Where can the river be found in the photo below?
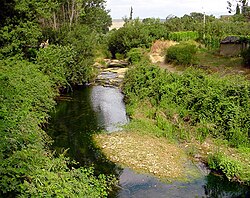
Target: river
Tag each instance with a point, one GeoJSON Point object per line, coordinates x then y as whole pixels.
{"type": "Point", "coordinates": [95, 109]}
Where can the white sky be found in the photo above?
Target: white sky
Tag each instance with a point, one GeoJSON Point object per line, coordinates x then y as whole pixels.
{"type": "Point", "coordinates": [163, 8]}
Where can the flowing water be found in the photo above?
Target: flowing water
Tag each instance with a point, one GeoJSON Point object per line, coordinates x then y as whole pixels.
{"type": "Point", "coordinates": [93, 109]}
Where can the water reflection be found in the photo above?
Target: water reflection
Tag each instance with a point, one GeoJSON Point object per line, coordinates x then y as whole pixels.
{"type": "Point", "coordinates": [72, 125]}
{"type": "Point", "coordinates": [217, 187]}
{"type": "Point", "coordinates": [146, 186]}
{"type": "Point", "coordinates": [109, 107]}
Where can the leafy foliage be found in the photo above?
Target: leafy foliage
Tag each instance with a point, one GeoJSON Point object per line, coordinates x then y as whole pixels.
{"type": "Point", "coordinates": [218, 106]}
{"type": "Point", "coordinates": [210, 30]}
{"type": "Point", "coordinates": [27, 167]}
{"type": "Point", "coordinates": [83, 41]}
{"type": "Point", "coordinates": [183, 36]}
{"type": "Point", "coordinates": [56, 63]}
{"type": "Point", "coordinates": [135, 34]}
{"type": "Point", "coordinates": [135, 55]}
{"type": "Point", "coordinates": [30, 80]}
{"type": "Point", "coordinates": [183, 54]}
{"type": "Point", "coordinates": [193, 105]}
{"type": "Point", "coordinates": [74, 54]}
{"type": "Point", "coordinates": [229, 167]}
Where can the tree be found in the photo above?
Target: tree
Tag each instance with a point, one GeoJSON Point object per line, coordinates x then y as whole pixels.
{"type": "Point", "coordinates": [96, 18]}
{"type": "Point", "coordinates": [20, 25]}
{"type": "Point", "coordinates": [131, 13]}
{"type": "Point", "coordinates": [237, 5]}
{"type": "Point", "coordinates": [237, 9]}
{"type": "Point", "coordinates": [89, 12]}
{"type": "Point", "coordinates": [29, 86]}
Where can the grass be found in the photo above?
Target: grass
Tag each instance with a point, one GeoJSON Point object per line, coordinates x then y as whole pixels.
{"type": "Point", "coordinates": [213, 62]}
{"type": "Point", "coordinates": [213, 59]}
{"type": "Point", "coordinates": [218, 150]}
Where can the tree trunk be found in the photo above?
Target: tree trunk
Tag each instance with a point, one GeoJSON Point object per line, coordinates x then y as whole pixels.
{"type": "Point", "coordinates": [72, 13]}
{"type": "Point", "coordinates": [54, 21]}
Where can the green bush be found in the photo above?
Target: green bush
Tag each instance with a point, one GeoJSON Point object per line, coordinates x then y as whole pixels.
{"type": "Point", "coordinates": [211, 42]}
{"type": "Point", "coordinates": [183, 36]}
{"type": "Point", "coordinates": [83, 41]}
{"type": "Point", "coordinates": [27, 167]}
{"type": "Point", "coordinates": [28, 89]}
{"type": "Point", "coordinates": [119, 56]}
{"type": "Point", "coordinates": [217, 106]}
{"type": "Point", "coordinates": [193, 105]}
{"type": "Point", "coordinates": [135, 34]}
{"type": "Point", "coordinates": [183, 54]}
{"type": "Point", "coordinates": [135, 55]}
{"type": "Point", "coordinates": [140, 81]}
{"type": "Point", "coordinates": [229, 167]}
{"type": "Point", "coordinates": [56, 62]}
{"type": "Point", "coordinates": [126, 38]}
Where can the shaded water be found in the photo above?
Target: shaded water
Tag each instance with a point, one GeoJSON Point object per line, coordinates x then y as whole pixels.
{"type": "Point", "coordinates": [93, 109]}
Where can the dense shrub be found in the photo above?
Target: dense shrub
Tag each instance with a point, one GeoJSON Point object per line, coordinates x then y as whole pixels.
{"type": "Point", "coordinates": [217, 106]}
{"type": "Point", "coordinates": [56, 62]}
{"type": "Point", "coordinates": [28, 89]}
{"type": "Point", "coordinates": [128, 37]}
{"type": "Point", "coordinates": [119, 56]}
{"type": "Point", "coordinates": [140, 81]}
{"type": "Point", "coordinates": [83, 41]}
{"type": "Point", "coordinates": [136, 55]}
{"type": "Point", "coordinates": [27, 166]}
{"type": "Point", "coordinates": [135, 34]}
{"type": "Point", "coordinates": [183, 36]}
{"type": "Point", "coordinates": [72, 61]}
{"type": "Point", "coordinates": [210, 33]}
{"type": "Point", "coordinates": [229, 167]}
{"type": "Point", "coordinates": [183, 54]}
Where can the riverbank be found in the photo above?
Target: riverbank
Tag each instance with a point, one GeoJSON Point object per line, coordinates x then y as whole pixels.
{"type": "Point", "coordinates": [166, 133]}
{"type": "Point", "coordinates": [138, 148]}
{"type": "Point", "coordinates": [202, 112]}
{"type": "Point", "coordinates": [147, 154]}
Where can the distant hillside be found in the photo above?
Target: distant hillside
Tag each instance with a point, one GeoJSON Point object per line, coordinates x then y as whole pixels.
{"type": "Point", "coordinates": [118, 23]}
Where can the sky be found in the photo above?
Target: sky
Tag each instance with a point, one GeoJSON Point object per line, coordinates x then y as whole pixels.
{"type": "Point", "coordinates": [163, 8]}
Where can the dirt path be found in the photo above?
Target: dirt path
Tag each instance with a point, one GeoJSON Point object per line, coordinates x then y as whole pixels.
{"type": "Point", "coordinates": [208, 61]}
{"type": "Point", "coordinates": [157, 55]}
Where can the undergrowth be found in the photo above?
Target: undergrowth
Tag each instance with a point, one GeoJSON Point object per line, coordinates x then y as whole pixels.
{"type": "Point", "coordinates": [193, 105]}
{"type": "Point", "coordinates": [28, 168]}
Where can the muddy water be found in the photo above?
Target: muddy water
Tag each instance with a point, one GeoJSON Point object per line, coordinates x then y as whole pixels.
{"type": "Point", "coordinates": [96, 108]}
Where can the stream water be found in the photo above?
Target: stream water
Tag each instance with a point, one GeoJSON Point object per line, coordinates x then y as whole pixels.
{"type": "Point", "coordinates": [93, 109]}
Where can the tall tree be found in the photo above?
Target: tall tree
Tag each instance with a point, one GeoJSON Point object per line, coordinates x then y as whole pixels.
{"type": "Point", "coordinates": [131, 13]}
{"type": "Point", "coordinates": [233, 4]}
{"type": "Point", "coordinates": [19, 24]}
{"type": "Point", "coordinates": [237, 9]}
{"type": "Point", "coordinates": [89, 12]}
